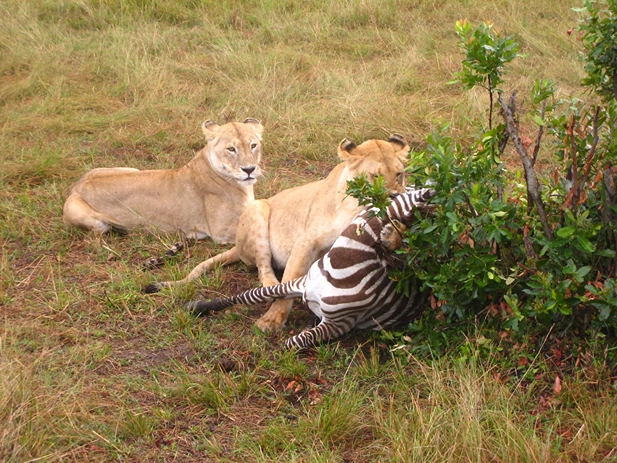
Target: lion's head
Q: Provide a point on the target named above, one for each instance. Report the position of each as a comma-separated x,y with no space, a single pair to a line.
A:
234,149
378,157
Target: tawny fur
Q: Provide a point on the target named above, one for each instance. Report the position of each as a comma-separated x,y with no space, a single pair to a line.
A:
203,198
295,227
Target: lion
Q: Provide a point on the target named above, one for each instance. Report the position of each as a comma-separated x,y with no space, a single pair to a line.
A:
202,199
297,226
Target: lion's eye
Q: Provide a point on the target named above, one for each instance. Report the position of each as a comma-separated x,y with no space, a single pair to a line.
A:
231,149
253,145
399,177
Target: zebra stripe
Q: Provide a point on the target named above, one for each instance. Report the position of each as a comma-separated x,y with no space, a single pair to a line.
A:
288,290
349,286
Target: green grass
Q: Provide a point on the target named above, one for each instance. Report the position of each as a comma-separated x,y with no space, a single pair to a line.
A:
93,370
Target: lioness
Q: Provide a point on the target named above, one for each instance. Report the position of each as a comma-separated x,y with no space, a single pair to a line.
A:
203,198
295,227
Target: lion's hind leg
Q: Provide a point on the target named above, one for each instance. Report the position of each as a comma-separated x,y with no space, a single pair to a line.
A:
79,213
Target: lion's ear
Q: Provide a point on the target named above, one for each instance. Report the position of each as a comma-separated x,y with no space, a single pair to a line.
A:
210,129
257,127
399,143
345,149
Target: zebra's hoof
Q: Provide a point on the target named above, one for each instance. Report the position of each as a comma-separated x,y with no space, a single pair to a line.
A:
151,288
153,262
175,249
198,307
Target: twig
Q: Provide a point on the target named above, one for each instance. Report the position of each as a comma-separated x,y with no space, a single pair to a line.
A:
533,186
536,148
578,433
590,158
607,212
573,171
573,155
490,97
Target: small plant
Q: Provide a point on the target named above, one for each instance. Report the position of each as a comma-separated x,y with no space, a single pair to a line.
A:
136,425
375,194
486,56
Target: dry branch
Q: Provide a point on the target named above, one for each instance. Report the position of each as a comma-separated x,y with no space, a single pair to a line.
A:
590,158
533,186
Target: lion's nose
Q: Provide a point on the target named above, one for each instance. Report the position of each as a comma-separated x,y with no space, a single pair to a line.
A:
248,169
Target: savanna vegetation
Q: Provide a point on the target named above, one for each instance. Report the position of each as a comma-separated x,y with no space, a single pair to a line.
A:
92,369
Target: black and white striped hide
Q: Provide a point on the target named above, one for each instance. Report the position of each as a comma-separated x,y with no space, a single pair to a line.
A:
349,286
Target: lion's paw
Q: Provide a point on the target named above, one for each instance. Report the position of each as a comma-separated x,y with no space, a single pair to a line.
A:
269,323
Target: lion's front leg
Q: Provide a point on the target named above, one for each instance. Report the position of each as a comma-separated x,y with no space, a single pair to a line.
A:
276,316
253,241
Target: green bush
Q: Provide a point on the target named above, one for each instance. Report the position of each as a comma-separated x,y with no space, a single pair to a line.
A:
599,36
531,250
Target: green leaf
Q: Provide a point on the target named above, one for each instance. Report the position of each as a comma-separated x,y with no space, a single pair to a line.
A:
581,272
606,253
585,244
564,232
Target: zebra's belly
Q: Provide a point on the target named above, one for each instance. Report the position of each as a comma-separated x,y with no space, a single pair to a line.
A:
316,284
390,310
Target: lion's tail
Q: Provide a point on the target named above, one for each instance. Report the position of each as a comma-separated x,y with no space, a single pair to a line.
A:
225,258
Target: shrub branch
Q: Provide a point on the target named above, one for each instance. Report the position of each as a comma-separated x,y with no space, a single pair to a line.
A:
536,148
578,188
533,186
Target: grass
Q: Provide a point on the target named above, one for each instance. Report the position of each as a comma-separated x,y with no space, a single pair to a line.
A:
93,370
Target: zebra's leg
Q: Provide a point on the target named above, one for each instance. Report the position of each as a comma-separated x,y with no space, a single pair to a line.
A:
253,241
327,330
302,256
291,289
391,235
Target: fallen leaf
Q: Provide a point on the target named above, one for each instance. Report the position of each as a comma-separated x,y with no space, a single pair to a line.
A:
315,397
291,385
557,385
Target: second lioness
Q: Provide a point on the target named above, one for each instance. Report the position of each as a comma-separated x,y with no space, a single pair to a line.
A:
203,198
295,227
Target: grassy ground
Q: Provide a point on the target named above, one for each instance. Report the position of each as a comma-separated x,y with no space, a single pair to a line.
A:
93,370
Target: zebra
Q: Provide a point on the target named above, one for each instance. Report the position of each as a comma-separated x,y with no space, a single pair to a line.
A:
349,286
